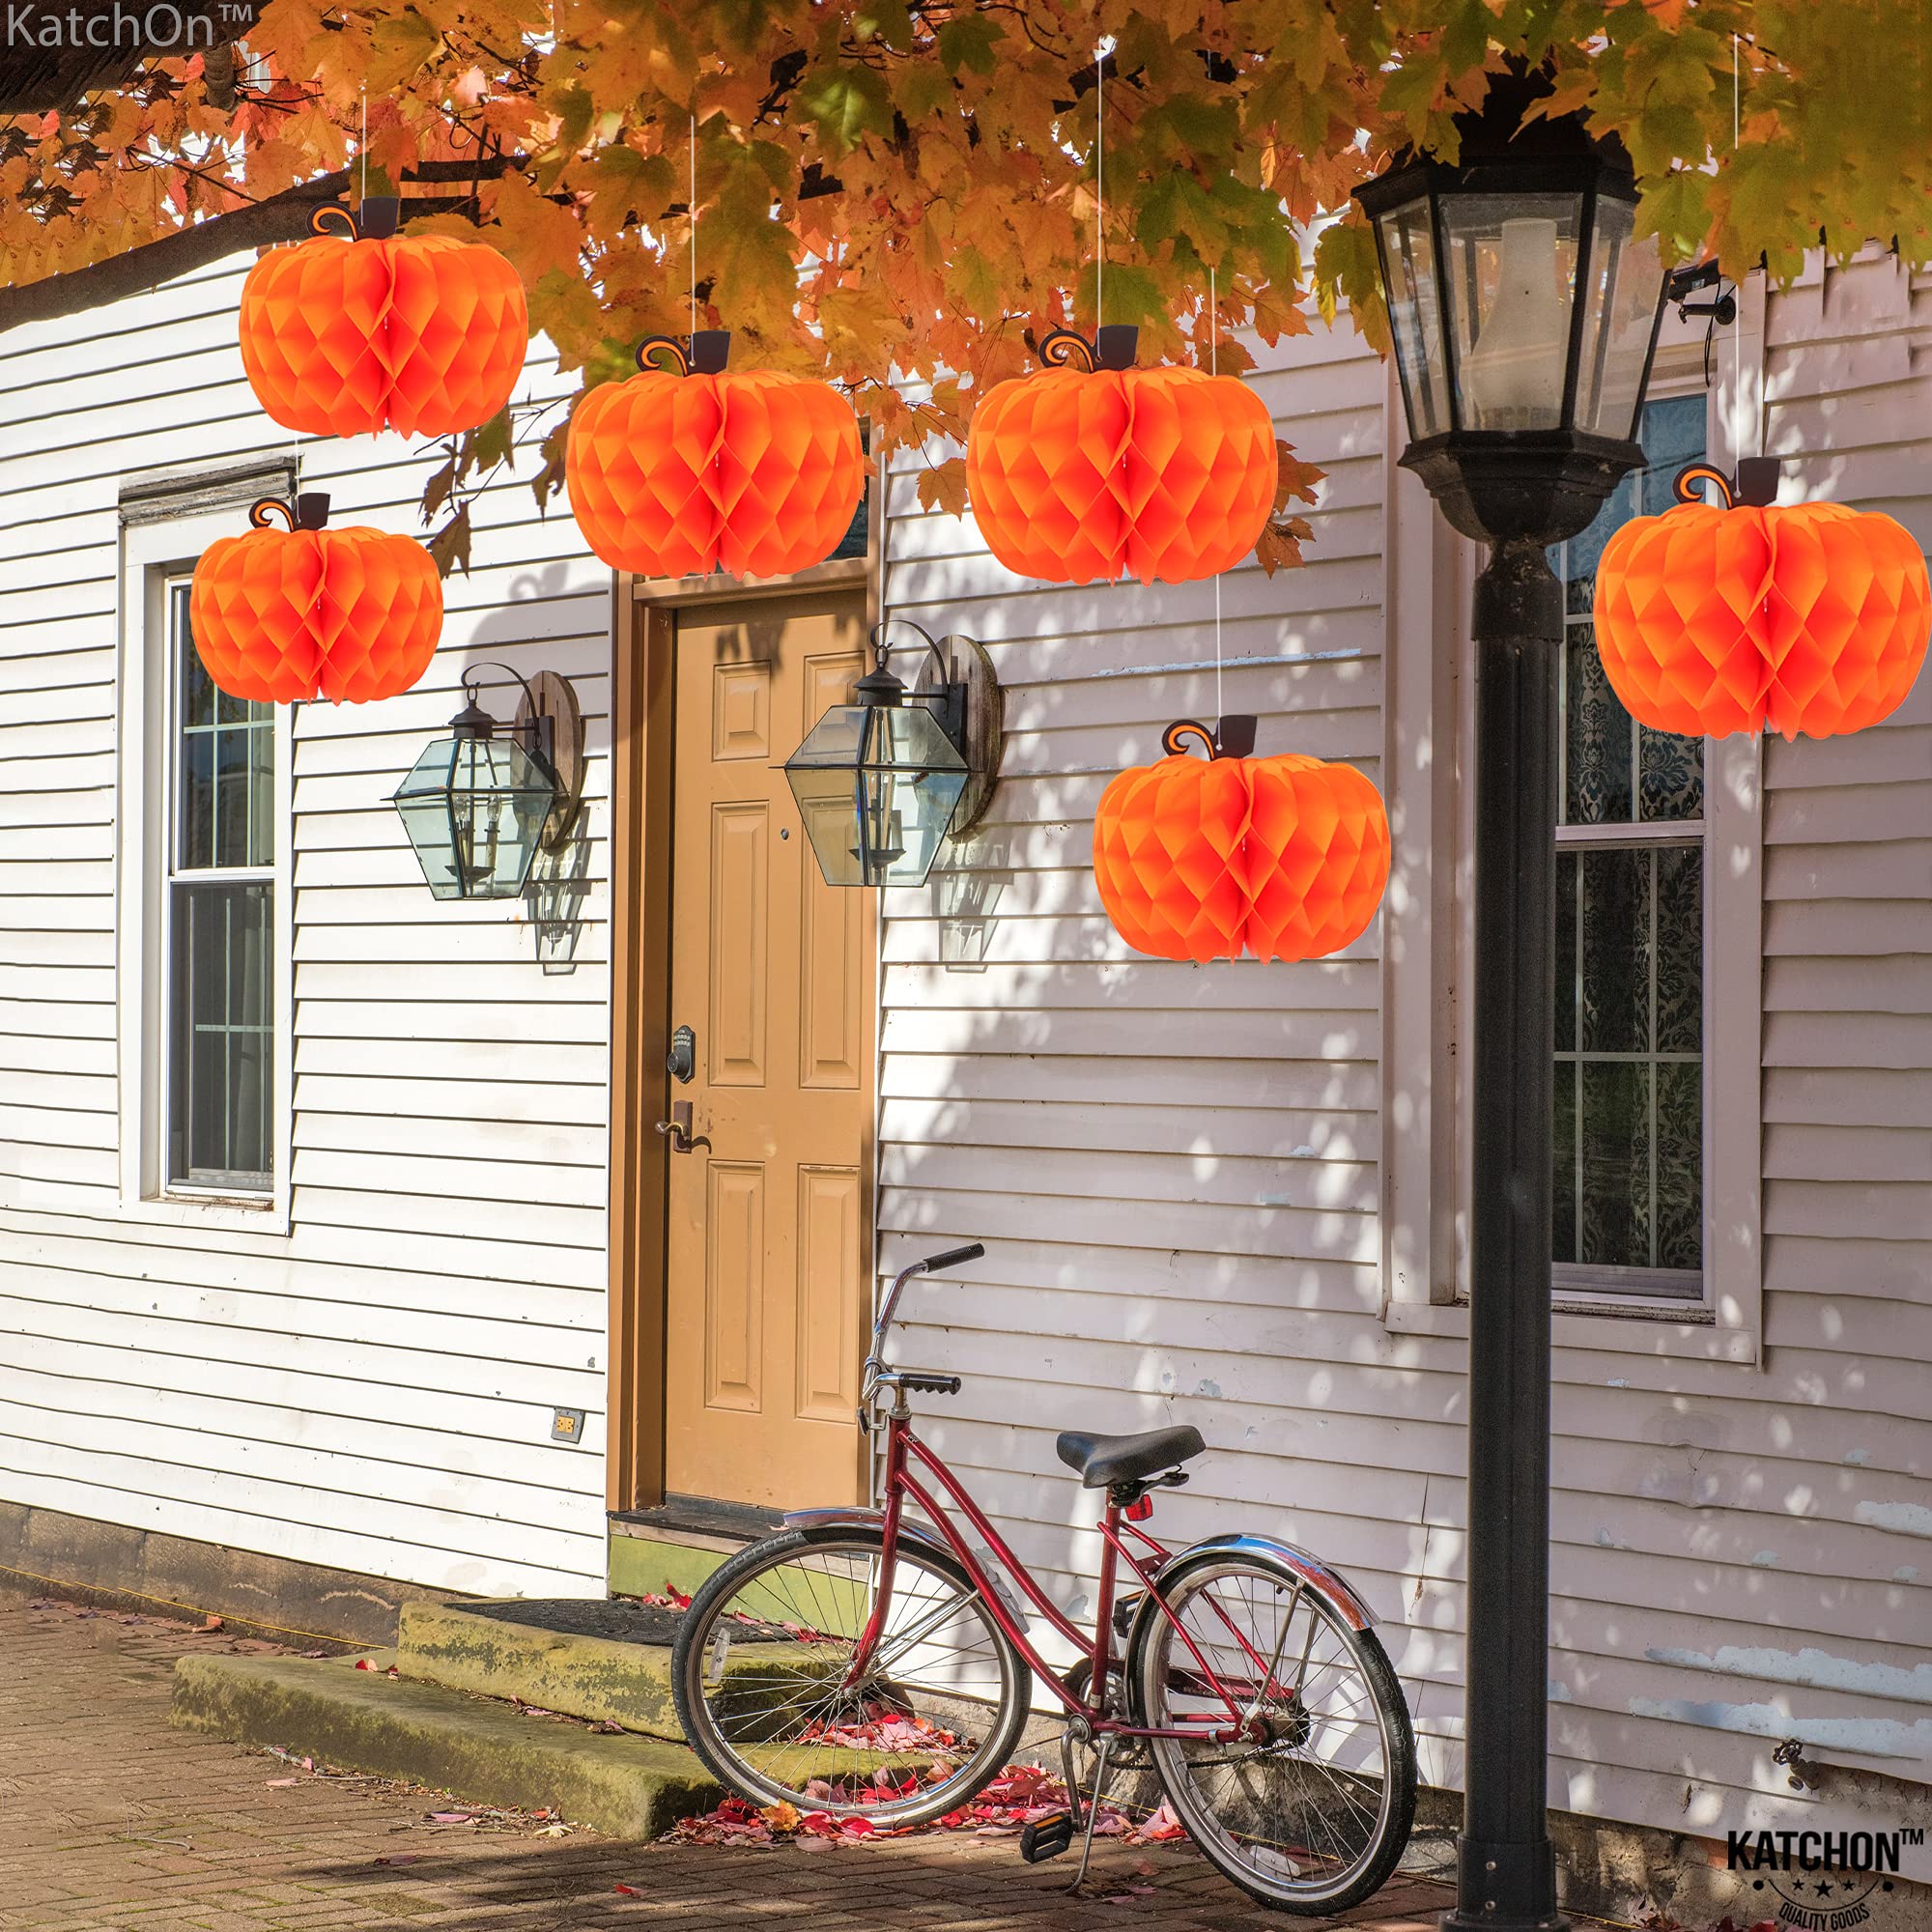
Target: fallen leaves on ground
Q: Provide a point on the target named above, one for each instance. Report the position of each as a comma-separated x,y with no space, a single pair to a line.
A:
1021,1794
669,1597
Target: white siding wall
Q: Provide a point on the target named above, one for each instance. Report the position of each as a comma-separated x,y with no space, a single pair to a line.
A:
1187,1158
1176,1169
373,1389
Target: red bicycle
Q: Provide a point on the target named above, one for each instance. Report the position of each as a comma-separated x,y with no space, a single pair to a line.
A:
875,1663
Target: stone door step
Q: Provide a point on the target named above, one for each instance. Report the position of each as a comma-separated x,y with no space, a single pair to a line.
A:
485,1753
617,1680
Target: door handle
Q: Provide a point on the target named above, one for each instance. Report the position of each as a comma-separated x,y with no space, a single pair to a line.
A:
678,1127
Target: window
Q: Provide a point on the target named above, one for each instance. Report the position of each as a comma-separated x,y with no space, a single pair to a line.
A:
220,943
1655,1076
1629,1139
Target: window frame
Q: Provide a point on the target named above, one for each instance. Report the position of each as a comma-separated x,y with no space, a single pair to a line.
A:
1427,1111
158,550
1676,1288
234,1185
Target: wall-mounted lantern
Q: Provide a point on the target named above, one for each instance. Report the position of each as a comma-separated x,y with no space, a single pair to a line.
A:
881,782
478,804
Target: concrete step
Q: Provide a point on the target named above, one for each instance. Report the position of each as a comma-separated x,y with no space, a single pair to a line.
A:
486,1752
621,1683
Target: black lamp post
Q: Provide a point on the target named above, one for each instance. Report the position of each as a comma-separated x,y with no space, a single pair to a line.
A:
1524,317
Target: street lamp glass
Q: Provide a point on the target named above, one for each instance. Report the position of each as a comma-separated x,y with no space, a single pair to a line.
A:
1620,317
1405,236
1510,275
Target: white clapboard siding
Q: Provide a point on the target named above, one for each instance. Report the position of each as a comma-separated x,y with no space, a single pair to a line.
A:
1175,1171
371,1389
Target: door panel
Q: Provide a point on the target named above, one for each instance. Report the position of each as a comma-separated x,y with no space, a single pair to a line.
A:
829,1261
739,888
769,1223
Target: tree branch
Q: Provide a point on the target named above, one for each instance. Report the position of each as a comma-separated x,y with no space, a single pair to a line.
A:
282,218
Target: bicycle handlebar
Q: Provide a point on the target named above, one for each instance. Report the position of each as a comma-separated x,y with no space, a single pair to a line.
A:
950,1258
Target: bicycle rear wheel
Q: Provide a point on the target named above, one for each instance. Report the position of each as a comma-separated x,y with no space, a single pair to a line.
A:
1311,1811
760,1666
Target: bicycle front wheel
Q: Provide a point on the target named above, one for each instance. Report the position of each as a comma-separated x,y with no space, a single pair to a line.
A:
763,1680
1310,1811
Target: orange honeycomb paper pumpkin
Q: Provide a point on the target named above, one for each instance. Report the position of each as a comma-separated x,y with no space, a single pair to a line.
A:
681,469
1093,468
1281,858
282,615
1810,617
362,330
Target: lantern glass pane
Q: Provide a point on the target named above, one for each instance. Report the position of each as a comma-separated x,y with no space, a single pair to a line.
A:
1413,287
475,812
1511,279
1620,311
876,787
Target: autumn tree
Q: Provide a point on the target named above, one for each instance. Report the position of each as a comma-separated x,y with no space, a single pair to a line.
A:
903,194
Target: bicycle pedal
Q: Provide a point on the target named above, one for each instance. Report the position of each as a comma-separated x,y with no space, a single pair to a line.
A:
1046,1838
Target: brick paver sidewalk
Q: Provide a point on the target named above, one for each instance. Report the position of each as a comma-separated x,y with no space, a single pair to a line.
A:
112,1822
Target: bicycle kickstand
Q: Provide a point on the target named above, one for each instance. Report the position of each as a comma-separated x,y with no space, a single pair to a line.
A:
1093,1807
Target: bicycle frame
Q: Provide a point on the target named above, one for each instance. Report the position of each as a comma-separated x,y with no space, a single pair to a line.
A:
904,1452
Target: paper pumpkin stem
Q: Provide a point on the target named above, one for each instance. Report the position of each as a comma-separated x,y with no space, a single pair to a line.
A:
308,511
332,219
1695,474
708,353
1114,347
665,354
1060,345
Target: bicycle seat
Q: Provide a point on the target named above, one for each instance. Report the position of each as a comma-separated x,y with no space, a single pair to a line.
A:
1102,1459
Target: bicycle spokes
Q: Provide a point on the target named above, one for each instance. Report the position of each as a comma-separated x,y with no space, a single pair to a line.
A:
1302,1799
784,1693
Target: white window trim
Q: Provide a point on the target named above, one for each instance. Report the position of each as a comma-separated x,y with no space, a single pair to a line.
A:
152,554
1428,575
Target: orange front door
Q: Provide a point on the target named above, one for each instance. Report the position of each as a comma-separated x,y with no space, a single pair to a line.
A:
770,1232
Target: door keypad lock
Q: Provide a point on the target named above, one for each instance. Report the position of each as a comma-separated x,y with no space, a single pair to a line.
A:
681,1062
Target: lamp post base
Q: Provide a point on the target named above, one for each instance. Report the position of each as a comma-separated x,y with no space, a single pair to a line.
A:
1505,1887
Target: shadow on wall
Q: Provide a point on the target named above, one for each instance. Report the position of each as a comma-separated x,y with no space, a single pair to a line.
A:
1174,1167
557,897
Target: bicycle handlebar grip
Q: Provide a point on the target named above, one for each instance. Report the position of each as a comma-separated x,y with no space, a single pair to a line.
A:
953,1257
924,1385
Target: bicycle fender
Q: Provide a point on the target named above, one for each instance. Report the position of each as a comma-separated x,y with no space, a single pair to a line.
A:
854,1516
810,1522
1318,1575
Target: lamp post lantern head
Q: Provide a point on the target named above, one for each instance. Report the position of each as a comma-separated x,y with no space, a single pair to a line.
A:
1523,312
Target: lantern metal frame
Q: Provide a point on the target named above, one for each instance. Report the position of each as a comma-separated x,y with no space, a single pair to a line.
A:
547,728
1496,483
959,685
1517,490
